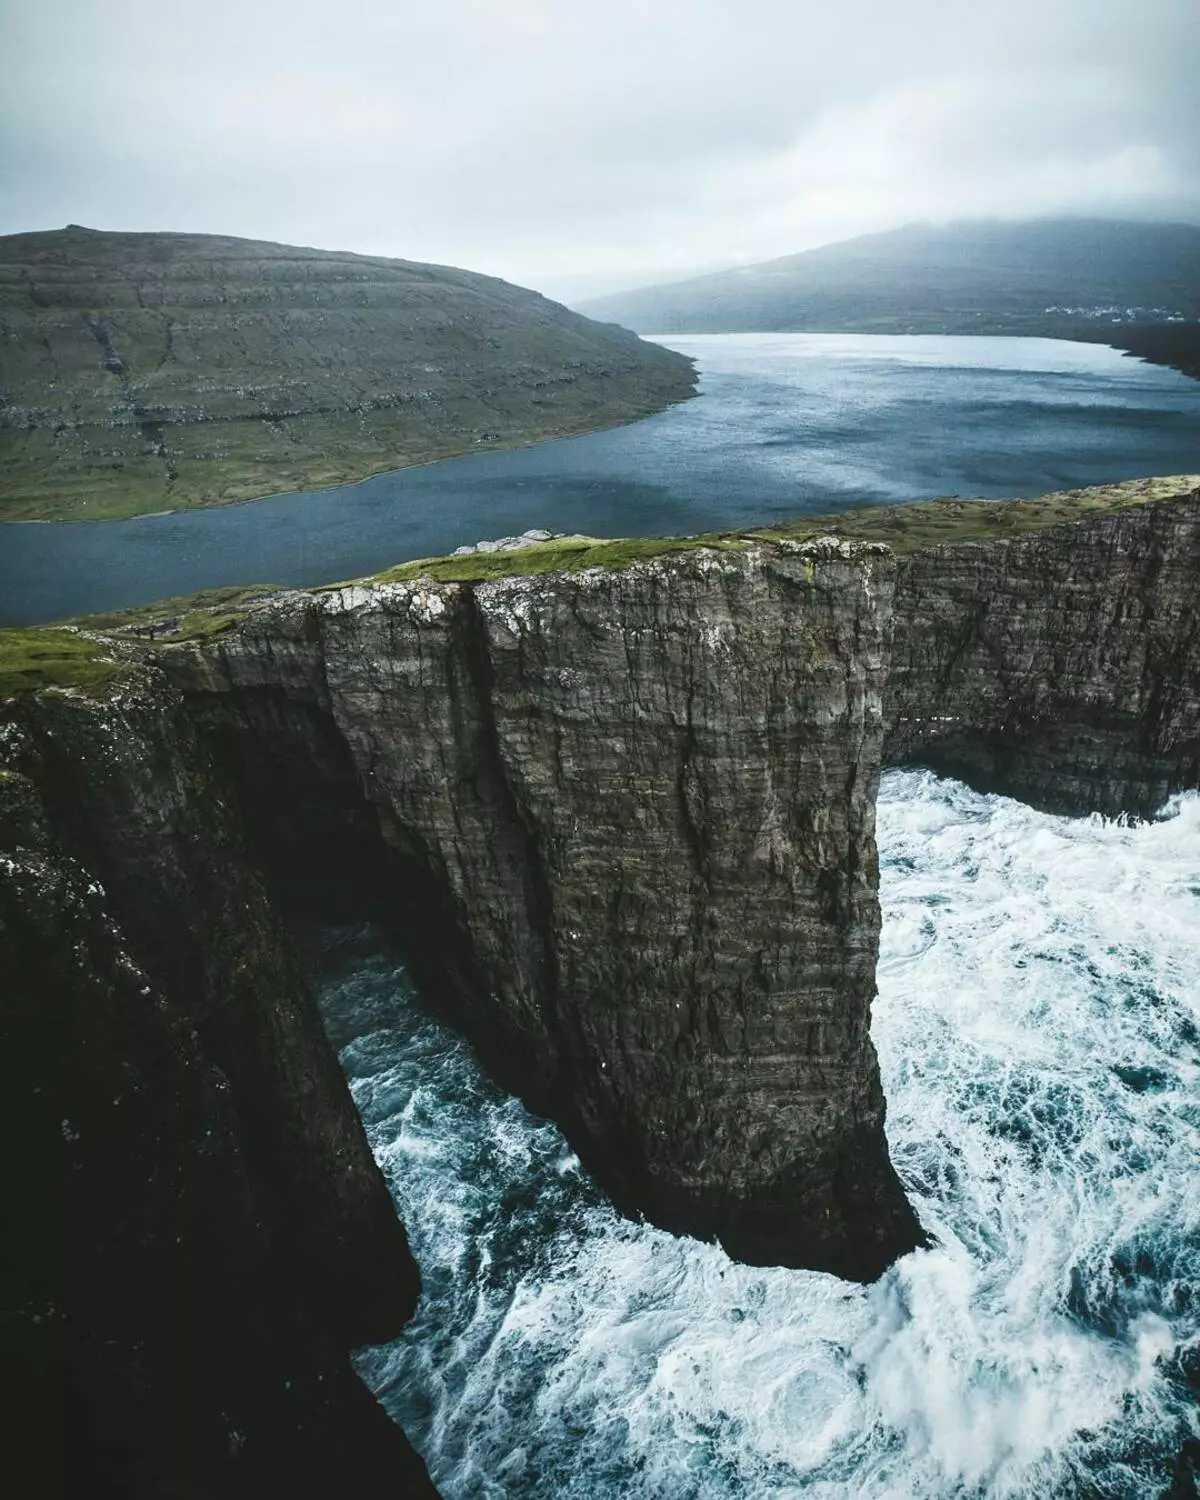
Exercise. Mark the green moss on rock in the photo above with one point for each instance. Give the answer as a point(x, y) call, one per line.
point(188, 618)
point(904, 528)
point(933, 523)
point(563, 555)
point(56, 657)
point(63, 657)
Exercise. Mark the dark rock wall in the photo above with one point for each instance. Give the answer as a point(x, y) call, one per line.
point(629, 830)
point(623, 821)
point(198, 1235)
point(1061, 667)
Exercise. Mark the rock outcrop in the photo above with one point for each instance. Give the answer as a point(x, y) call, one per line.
point(1062, 667)
point(198, 1235)
point(623, 824)
point(143, 372)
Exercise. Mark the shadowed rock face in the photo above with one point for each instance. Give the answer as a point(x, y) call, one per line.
point(144, 372)
point(1061, 667)
point(622, 821)
point(198, 1235)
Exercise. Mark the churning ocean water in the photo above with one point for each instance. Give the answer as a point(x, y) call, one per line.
point(1038, 1026)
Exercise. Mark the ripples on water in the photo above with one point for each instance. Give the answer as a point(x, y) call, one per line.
point(1037, 1026)
point(785, 425)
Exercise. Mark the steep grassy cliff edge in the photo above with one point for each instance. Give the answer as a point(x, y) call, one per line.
point(87, 652)
point(148, 372)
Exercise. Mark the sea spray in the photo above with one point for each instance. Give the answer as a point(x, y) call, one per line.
point(1037, 1026)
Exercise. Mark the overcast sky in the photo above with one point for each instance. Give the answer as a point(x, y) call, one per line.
point(578, 146)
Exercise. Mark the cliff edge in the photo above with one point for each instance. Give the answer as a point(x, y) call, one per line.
point(622, 822)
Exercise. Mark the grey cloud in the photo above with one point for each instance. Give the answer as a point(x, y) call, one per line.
point(559, 143)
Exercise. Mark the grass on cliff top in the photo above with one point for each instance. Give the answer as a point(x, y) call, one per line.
point(60, 657)
point(190, 618)
point(933, 523)
point(562, 555)
point(905, 528)
point(54, 657)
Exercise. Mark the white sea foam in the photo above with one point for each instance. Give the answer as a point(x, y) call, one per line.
point(1038, 1030)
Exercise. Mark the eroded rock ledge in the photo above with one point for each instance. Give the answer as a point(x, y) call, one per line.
point(617, 802)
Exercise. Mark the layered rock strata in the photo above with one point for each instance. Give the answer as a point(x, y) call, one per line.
point(1062, 666)
point(142, 372)
point(622, 821)
point(623, 824)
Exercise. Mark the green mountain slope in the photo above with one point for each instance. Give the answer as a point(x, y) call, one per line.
point(143, 372)
point(1065, 277)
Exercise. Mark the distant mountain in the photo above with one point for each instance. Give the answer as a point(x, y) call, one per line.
point(1041, 276)
point(152, 371)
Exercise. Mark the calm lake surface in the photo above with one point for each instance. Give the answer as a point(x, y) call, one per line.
point(784, 425)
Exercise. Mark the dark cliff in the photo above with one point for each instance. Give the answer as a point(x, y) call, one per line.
point(617, 803)
point(197, 1234)
point(622, 823)
point(143, 372)
point(1064, 671)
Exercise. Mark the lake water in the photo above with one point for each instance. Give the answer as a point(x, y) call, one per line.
point(784, 425)
point(1038, 1027)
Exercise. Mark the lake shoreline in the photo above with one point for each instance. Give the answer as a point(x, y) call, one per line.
point(348, 484)
point(1165, 347)
point(789, 426)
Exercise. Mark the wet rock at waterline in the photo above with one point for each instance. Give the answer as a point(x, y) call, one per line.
point(1034, 972)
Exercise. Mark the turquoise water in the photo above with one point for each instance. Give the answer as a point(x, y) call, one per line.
point(1038, 1027)
point(784, 425)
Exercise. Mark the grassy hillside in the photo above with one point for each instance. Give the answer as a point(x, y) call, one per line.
point(143, 372)
point(1057, 277)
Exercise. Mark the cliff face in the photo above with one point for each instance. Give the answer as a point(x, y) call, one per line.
point(143, 372)
point(199, 1233)
point(622, 820)
point(1059, 667)
point(623, 824)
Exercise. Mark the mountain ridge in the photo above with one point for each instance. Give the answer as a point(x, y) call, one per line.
point(144, 372)
point(1057, 277)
